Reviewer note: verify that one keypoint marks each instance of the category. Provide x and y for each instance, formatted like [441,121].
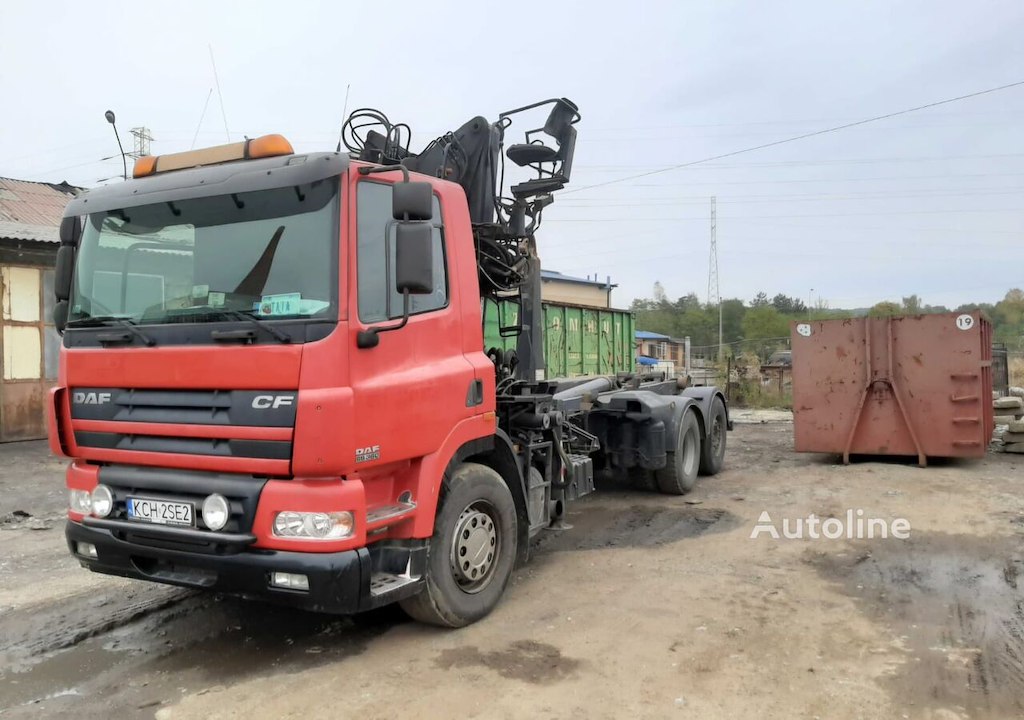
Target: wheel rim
[716,436]
[475,547]
[690,445]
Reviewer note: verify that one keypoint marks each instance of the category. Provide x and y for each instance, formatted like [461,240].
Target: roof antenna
[201,117]
[344,110]
[220,95]
[109,115]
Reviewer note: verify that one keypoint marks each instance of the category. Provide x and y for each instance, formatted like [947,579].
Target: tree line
[762,325]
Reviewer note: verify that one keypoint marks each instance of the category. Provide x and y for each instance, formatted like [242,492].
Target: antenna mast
[714,295]
[142,140]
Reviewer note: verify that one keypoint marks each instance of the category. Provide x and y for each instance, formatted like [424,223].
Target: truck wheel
[472,552]
[681,464]
[712,454]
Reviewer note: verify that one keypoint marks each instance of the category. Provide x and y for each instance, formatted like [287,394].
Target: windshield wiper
[248,316]
[106,320]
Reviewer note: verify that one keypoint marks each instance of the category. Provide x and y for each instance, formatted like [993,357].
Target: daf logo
[266,402]
[91,398]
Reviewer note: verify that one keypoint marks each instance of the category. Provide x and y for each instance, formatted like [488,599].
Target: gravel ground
[648,606]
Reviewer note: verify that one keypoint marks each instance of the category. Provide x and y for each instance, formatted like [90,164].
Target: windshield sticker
[283,304]
[216,299]
[200,291]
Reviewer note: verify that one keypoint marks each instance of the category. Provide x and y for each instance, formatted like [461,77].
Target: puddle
[200,641]
[594,525]
[204,641]
[957,603]
[527,660]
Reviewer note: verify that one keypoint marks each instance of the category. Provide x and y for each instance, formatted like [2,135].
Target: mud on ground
[648,606]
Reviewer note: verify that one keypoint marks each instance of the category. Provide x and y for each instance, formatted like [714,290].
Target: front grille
[271,449]
[241,491]
[254,408]
[212,423]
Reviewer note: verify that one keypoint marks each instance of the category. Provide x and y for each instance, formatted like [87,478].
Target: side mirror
[412,205]
[63,272]
[70,230]
[412,201]
[414,257]
[60,315]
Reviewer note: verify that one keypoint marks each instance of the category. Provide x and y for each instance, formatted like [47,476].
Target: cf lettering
[265,402]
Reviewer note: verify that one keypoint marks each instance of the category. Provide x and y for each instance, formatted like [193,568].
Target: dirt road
[648,606]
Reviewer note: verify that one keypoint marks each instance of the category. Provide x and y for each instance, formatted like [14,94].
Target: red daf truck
[273,379]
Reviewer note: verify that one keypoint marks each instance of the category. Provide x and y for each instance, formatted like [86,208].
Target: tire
[712,452]
[682,463]
[476,505]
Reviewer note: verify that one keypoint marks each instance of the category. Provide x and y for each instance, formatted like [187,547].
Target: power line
[804,136]
[760,239]
[791,121]
[84,164]
[800,197]
[638,134]
[50,151]
[716,183]
[880,228]
[772,217]
[808,163]
[764,255]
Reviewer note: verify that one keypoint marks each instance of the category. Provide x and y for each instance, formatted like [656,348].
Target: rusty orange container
[917,385]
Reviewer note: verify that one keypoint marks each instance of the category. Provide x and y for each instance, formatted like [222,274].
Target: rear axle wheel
[682,462]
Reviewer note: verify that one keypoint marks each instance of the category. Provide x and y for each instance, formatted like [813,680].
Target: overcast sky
[928,203]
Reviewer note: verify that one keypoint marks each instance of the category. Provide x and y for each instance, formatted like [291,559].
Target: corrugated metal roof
[647,335]
[32,210]
[560,277]
[23,231]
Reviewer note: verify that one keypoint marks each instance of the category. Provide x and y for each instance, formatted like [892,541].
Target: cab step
[382,516]
[382,583]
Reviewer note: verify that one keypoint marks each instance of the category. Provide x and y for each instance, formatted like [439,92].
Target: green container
[578,340]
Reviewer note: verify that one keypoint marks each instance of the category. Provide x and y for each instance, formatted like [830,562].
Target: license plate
[161,512]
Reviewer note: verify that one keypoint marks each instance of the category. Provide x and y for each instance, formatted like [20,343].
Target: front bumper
[338,582]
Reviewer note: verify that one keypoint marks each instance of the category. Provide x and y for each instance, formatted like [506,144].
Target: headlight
[314,525]
[102,501]
[216,511]
[80,501]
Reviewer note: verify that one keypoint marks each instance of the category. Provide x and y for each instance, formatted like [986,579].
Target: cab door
[413,387]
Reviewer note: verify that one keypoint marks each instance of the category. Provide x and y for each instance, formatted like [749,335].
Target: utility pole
[714,295]
[142,141]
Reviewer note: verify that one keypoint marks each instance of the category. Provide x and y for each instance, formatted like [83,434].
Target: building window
[31,345]
[375,255]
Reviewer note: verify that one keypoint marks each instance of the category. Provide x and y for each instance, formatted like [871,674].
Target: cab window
[375,258]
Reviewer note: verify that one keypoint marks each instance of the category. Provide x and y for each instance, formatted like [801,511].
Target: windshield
[271,254]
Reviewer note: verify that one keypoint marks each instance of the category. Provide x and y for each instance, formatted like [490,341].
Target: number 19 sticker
[964,322]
